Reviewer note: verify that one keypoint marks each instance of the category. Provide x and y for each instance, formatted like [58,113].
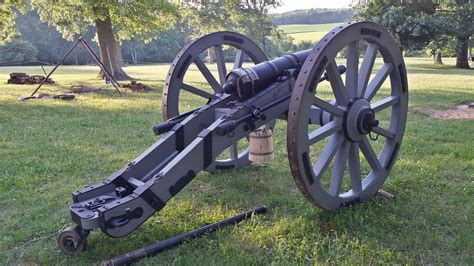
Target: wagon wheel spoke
[315,115]
[369,154]
[366,67]
[234,151]
[340,163]
[239,59]
[327,155]
[352,69]
[220,59]
[324,132]
[197,91]
[378,80]
[326,106]
[354,168]
[337,85]
[208,75]
[384,132]
[385,103]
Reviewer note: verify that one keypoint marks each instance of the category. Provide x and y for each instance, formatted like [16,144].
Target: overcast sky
[289,5]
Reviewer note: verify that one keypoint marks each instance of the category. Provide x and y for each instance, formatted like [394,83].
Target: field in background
[308,32]
[50,148]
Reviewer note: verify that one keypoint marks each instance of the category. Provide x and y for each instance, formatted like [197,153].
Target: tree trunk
[438,58]
[462,52]
[108,43]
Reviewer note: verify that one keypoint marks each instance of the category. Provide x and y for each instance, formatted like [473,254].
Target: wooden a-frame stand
[81,40]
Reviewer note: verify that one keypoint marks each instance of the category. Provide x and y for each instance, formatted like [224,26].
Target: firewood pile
[137,87]
[23,78]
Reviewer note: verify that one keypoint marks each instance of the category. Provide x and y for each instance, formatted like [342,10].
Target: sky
[289,5]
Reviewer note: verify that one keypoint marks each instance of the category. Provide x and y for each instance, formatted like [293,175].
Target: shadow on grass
[438,70]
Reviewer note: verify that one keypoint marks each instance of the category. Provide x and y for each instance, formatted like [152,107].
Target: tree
[114,21]
[8,10]
[413,23]
[18,51]
[49,42]
[162,50]
[417,23]
[249,17]
[463,15]
[203,17]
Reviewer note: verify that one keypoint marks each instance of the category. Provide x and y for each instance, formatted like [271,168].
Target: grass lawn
[50,148]
[308,32]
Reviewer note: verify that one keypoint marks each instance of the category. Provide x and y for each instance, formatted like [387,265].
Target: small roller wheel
[72,240]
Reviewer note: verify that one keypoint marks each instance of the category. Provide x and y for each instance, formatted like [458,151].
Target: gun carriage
[325,138]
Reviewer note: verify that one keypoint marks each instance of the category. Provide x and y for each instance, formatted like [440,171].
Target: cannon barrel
[244,83]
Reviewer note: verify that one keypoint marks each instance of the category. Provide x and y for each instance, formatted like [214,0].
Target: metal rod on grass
[179,239]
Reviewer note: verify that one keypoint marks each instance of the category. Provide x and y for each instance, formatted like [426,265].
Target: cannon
[345,102]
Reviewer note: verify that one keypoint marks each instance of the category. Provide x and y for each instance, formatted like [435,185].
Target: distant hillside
[307,32]
[313,16]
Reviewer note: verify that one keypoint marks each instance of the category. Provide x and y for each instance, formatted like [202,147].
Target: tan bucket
[261,145]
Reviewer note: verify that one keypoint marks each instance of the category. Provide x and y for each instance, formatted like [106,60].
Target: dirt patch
[81,90]
[461,112]
[137,87]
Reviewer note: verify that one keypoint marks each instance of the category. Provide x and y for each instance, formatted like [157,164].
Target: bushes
[18,51]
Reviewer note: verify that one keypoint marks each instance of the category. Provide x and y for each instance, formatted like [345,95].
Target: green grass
[308,32]
[50,148]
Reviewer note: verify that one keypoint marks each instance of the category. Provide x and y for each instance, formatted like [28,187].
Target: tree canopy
[415,24]
[140,19]
[8,13]
[114,21]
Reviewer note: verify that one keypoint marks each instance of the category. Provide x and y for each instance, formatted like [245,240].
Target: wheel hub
[366,121]
[359,120]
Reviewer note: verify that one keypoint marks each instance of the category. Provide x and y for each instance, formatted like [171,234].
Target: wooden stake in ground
[384,194]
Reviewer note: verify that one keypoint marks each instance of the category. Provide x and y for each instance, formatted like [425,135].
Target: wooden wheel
[182,93]
[344,139]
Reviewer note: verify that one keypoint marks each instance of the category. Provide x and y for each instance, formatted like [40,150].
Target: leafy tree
[280,44]
[114,21]
[18,51]
[8,12]
[413,23]
[463,15]
[418,23]
[251,18]
[49,42]
[162,50]
[203,17]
